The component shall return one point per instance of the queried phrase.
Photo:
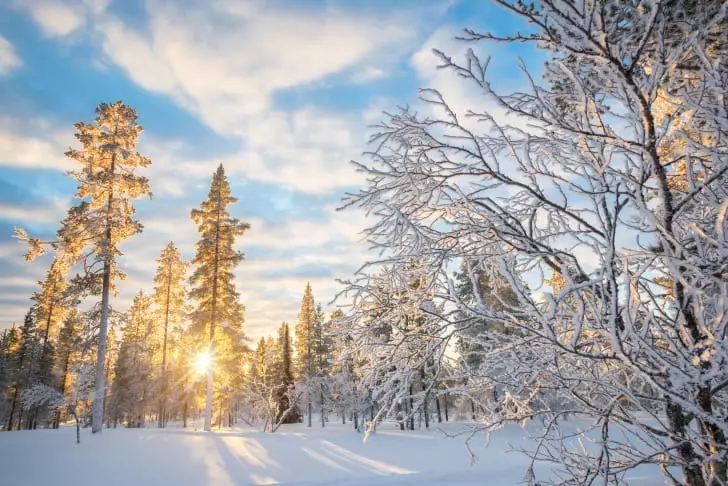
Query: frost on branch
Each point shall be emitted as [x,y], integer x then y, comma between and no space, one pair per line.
[591,298]
[40,395]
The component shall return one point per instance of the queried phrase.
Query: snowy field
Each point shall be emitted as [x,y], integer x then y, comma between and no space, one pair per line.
[295,455]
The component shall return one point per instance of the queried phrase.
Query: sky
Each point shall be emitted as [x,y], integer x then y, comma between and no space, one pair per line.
[284,94]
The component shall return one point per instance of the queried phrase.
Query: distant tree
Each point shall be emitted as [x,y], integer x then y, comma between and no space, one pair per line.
[130,391]
[304,343]
[284,380]
[9,341]
[93,229]
[169,299]
[52,305]
[213,280]
[25,360]
[68,346]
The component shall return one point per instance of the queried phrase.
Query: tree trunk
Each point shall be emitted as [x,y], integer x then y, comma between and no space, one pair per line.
[323,420]
[213,316]
[690,463]
[97,410]
[439,413]
[447,417]
[64,378]
[163,396]
[12,408]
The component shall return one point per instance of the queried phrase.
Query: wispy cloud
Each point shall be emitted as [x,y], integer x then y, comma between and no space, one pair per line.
[9,60]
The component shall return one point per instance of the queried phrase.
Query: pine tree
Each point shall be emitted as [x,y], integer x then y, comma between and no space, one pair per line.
[25,362]
[9,341]
[304,342]
[132,384]
[284,378]
[213,280]
[50,301]
[94,228]
[321,355]
[68,341]
[169,298]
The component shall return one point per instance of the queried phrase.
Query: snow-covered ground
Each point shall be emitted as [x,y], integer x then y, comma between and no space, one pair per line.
[295,455]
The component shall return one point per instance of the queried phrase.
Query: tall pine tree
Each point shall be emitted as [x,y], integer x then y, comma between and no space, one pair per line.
[169,299]
[213,280]
[304,342]
[93,229]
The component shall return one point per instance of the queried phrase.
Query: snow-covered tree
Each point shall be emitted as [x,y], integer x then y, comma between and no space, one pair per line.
[304,344]
[169,299]
[40,395]
[612,187]
[133,384]
[213,280]
[92,230]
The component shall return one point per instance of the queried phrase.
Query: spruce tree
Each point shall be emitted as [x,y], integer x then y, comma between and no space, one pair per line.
[213,281]
[304,342]
[24,369]
[9,341]
[169,299]
[50,301]
[68,341]
[284,378]
[92,230]
[131,387]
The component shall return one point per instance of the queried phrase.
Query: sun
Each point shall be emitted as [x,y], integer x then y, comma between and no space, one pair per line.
[203,361]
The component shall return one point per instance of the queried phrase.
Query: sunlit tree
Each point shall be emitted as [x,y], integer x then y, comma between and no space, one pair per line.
[91,232]
[213,280]
[169,300]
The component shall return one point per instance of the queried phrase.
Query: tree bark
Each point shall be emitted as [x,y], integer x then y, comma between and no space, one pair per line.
[97,410]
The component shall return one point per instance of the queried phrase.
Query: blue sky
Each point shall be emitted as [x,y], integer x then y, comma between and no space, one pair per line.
[282,93]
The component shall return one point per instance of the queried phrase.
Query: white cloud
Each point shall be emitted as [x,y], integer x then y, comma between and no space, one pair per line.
[49,213]
[9,60]
[368,73]
[55,18]
[225,60]
[30,151]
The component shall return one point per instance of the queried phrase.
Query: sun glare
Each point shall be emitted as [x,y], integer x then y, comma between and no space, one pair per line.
[203,361]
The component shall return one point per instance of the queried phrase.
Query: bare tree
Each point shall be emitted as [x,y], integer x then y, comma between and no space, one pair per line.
[604,211]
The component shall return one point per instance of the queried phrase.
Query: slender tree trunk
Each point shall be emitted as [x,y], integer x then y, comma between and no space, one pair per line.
[323,420]
[97,410]
[447,416]
[439,413]
[411,420]
[163,396]
[184,415]
[12,407]
[64,378]
[213,317]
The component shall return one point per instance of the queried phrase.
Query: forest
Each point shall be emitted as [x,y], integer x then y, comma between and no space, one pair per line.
[566,263]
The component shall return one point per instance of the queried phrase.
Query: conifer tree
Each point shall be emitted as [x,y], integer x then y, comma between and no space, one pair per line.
[50,301]
[25,360]
[93,229]
[131,386]
[304,342]
[68,341]
[284,378]
[9,340]
[169,298]
[213,280]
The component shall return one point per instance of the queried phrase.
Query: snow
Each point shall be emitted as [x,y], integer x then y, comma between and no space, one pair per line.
[295,455]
